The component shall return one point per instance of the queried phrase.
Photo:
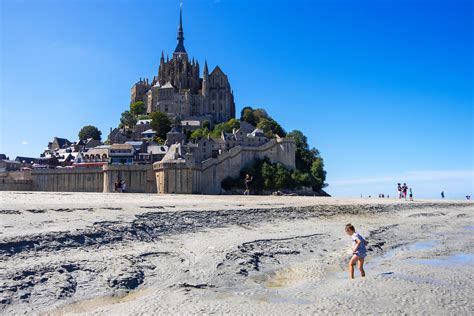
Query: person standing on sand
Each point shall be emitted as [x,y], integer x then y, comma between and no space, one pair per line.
[404,191]
[411,195]
[399,188]
[124,186]
[248,180]
[442,194]
[359,251]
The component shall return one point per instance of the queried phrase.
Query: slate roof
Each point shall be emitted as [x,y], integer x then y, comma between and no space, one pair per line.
[63,142]
[25,159]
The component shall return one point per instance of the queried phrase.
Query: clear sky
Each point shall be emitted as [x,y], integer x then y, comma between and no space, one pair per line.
[383,88]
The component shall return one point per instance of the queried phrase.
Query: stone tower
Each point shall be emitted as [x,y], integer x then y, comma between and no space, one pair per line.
[179,91]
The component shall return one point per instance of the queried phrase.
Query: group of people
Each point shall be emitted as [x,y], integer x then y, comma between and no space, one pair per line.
[120,186]
[403,190]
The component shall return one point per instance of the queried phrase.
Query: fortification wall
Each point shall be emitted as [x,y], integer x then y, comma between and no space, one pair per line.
[15,181]
[68,180]
[206,177]
[138,178]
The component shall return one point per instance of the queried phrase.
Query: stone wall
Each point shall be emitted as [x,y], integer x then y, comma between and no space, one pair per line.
[68,180]
[15,181]
[138,178]
[206,177]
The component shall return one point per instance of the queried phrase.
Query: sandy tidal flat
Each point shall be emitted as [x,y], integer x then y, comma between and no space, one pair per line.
[87,253]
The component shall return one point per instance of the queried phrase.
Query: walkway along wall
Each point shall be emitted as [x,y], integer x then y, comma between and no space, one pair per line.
[186,176]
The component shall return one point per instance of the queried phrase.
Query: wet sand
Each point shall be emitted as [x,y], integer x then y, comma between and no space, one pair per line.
[87,253]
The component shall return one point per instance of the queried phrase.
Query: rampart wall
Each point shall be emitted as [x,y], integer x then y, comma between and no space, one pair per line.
[206,177]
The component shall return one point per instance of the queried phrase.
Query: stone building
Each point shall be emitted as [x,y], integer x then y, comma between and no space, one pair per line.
[179,91]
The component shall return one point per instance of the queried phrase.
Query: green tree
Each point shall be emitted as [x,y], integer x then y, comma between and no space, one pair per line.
[242,112]
[300,139]
[268,172]
[138,108]
[318,173]
[199,133]
[282,177]
[226,127]
[127,120]
[160,123]
[143,117]
[90,131]
[248,116]
[270,127]
[260,114]
[206,124]
[231,124]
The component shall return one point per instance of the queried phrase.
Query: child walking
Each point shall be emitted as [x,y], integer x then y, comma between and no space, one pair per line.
[359,251]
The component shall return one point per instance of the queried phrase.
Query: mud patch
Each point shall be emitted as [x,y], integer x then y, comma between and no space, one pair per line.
[9,212]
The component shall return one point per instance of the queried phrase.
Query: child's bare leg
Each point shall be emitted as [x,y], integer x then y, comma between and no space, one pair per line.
[352,262]
[360,265]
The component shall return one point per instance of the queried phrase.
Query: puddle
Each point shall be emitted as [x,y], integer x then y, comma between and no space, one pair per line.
[417,246]
[457,259]
[423,245]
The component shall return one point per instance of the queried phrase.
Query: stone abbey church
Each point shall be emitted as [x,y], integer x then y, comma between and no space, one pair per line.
[179,91]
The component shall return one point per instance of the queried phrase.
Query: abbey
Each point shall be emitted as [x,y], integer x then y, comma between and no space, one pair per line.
[179,91]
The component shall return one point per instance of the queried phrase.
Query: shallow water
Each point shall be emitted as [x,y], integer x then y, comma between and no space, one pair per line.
[457,259]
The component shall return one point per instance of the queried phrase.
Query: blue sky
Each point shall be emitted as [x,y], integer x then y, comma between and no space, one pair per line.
[383,88]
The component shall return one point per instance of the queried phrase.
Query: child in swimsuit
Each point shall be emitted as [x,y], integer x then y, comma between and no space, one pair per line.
[359,251]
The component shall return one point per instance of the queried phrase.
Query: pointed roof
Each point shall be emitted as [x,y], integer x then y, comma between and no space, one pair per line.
[167,85]
[180,47]
[217,70]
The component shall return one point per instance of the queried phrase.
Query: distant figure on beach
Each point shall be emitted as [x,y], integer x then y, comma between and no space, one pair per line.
[248,180]
[442,194]
[359,251]
[124,186]
[468,197]
[118,186]
[411,195]
[404,191]
[399,188]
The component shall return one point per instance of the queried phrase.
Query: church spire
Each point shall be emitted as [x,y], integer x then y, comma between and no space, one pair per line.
[179,50]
